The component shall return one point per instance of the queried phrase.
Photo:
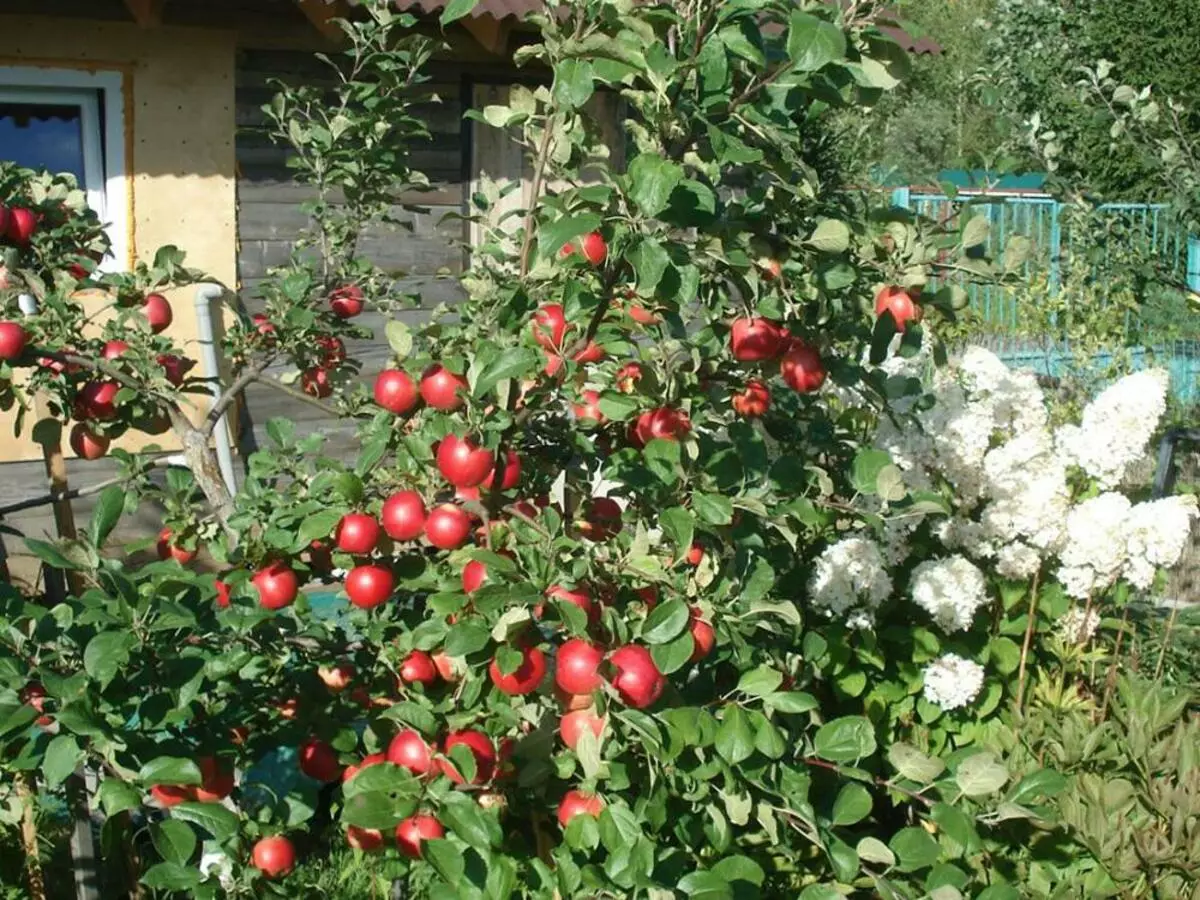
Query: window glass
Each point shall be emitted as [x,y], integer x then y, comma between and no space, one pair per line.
[43,135]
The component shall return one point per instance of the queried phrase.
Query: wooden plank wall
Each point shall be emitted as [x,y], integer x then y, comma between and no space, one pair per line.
[428,258]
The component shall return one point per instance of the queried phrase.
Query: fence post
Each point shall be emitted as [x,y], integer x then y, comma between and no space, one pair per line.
[901,197]
[1055,246]
[1193,264]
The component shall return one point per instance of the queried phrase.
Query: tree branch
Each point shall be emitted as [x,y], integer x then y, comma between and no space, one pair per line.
[231,394]
[298,395]
[539,172]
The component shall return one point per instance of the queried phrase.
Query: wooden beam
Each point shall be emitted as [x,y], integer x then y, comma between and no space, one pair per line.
[489,32]
[147,13]
[321,13]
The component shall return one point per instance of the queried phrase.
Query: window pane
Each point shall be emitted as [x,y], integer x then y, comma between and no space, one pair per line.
[42,135]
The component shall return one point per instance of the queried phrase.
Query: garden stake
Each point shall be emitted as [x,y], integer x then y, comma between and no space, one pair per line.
[29,837]
[1029,628]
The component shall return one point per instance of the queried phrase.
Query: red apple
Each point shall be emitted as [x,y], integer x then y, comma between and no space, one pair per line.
[357,533]
[602,519]
[347,301]
[158,312]
[368,840]
[525,679]
[577,667]
[336,678]
[409,749]
[591,353]
[663,423]
[474,574]
[414,830]
[169,795]
[447,667]
[97,400]
[580,597]
[223,590]
[113,350]
[573,724]
[462,462]
[637,680]
[277,585]
[319,761]
[395,391]
[506,478]
[900,303]
[316,382]
[167,550]
[371,759]
[86,444]
[22,223]
[755,340]
[771,268]
[264,330]
[370,585]
[217,780]
[403,516]
[333,351]
[274,856]
[589,409]
[481,748]
[695,554]
[35,695]
[440,388]
[802,368]
[549,326]
[175,368]
[703,636]
[418,668]
[12,341]
[578,803]
[594,248]
[754,401]
[448,526]
[628,377]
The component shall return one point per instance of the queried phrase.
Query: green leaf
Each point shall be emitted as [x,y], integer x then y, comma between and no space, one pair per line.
[713,509]
[976,231]
[109,507]
[820,892]
[552,236]
[219,821]
[169,770]
[830,236]
[63,756]
[173,840]
[740,868]
[735,739]
[618,407]
[399,338]
[1004,655]
[792,702]
[666,621]
[873,850]
[171,876]
[1039,785]
[847,739]
[914,765]
[650,262]
[116,796]
[651,181]
[106,654]
[980,775]
[676,523]
[455,10]
[915,849]
[706,885]
[760,681]
[853,804]
[573,82]
[511,363]
[377,809]
[464,816]
[446,858]
[662,458]
[52,555]
[956,827]
[674,655]
[813,43]
[317,527]
[466,638]
[868,463]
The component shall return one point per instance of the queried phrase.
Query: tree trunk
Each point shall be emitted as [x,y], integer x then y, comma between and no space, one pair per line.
[202,460]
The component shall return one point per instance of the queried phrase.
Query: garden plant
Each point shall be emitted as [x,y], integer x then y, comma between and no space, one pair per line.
[679,559]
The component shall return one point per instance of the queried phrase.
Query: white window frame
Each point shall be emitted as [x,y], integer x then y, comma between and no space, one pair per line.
[106,181]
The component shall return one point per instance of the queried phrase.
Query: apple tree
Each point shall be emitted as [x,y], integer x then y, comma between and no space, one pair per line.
[573,651]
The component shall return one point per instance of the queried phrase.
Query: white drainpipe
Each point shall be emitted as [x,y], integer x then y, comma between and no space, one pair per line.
[206,295]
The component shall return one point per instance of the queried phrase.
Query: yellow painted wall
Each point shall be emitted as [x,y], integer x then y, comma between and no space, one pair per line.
[179,120]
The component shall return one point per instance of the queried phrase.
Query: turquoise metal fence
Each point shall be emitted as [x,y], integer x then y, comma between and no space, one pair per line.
[1040,218]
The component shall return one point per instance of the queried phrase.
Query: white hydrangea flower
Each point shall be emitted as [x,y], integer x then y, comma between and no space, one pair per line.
[1156,534]
[1078,626]
[1116,426]
[950,590]
[952,682]
[1095,549]
[1026,482]
[1018,561]
[850,581]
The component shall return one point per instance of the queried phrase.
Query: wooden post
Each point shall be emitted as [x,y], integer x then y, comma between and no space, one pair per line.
[29,837]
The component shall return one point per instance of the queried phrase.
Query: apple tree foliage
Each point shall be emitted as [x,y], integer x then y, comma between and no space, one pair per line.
[750,747]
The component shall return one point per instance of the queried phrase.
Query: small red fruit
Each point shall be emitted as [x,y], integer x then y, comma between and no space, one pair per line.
[414,830]
[580,597]
[549,326]
[663,423]
[217,781]
[695,554]
[347,301]
[403,516]
[481,748]
[573,724]
[222,593]
[462,462]
[448,526]
[577,803]
[507,478]
[628,377]
[592,353]
[638,679]
[703,636]
[265,331]
[357,533]
[336,678]
[577,667]
[86,444]
[594,248]
[602,519]
[525,679]
[277,585]
[408,749]
[12,341]
[754,401]
[316,382]
[395,391]
[97,400]
[368,840]
[802,368]
[589,409]
[440,388]
[474,574]
[643,316]
[333,351]
[418,668]
[274,856]
[771,268]
[175,368]
[446,667]
[900,303]
[353,769]
[166,549]
[370,585]
[169,795]
[319,761]
[158,312]
[35,695]
[289,708]
[22,223]
[113,350]
[754,340]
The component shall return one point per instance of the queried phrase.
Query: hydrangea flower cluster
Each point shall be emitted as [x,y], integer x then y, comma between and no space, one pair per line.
[1078,626]
[952,682]
[850,581]
[950,590]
